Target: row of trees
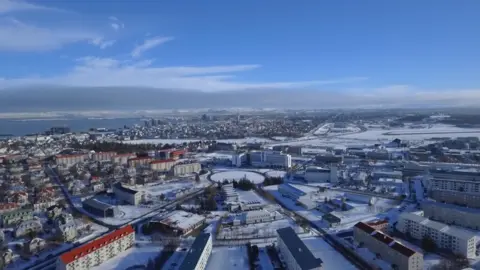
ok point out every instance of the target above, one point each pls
(269, 181)
(253, 253)
(243, 184)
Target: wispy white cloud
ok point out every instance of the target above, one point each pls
(101, 43)
(110, 72)
(7, 6)
(115, 23)
(19, 36)
(149, 44)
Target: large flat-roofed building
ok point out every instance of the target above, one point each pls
(188, 168)
(457, 187)
(178, 222)
(467, 199)
(198, 254)
(317, 174)
(97, 251)
(295, 253)
(459, 241)
(70, 160)
(270, 159)
(98, 208)
(389, 249)
(290, 191)
(127, 195)
(452, 214)
(103, 156)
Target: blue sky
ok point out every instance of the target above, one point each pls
(395, 47)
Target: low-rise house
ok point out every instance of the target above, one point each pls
(178, 222)
(8, 207)
(27, 226)
(19, 197)
(16, 216)
(98, 187)
(34, 246)
(67, 232)
(54, 211)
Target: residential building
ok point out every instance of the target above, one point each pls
(198, 254)
(67, 231)
(54, 211)
(97, 251)
(2, 237)
(16, 216)
(452, 214)
(162, 165)
(7, 256)
(389, 250)
(188, 168)
(251, 205)
(178, 222)
(127, 195)
(294, 252)
(70, 160)
(257, 216)
(34, 246)
(139, 161)
(379, 225)
(27, 226)
(466, 199)
(459, 241)
(98, 208)
(178, 154)
(8, 207)
(103, 156)
(122, 159)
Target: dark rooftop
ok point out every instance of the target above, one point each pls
(331, 218)
(94, 203)
(124, 189)
(298, 249)
(402, 249)
(382, 237)
(364, 227)
(196, 250)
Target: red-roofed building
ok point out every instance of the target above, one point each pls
(139, 161)
(7, 207)
(177, 154)
(162, 165)
(103, 156)
(122, 159)
(379, 225)
(97, 251)
(70, 159)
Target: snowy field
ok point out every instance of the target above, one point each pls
(231, 258)
(130, 257)
(330, 257)
(180, 141)
(274, 173)
(237, 175)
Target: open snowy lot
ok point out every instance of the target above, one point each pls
(231, 258)
(274, 173)
(330, 257)
(237, 175)
(130, 257)
(258, 230)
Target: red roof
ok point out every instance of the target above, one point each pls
(178, 152)
(162, 161)
(70, 156)
(378, 222)
(88, 248)
(4, 206)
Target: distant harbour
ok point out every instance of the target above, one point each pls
(17, 127)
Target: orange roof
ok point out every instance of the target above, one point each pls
(88, 248)
(162, 161)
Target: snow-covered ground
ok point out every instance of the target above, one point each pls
(258, 230)
(231, 258)
(237, 175)
(130, 257)
(330, 257)
(274, 173)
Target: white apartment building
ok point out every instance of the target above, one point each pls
(389, 249)
(103, 156)
(127, 195)
(250, 217)
(189, 168)
(97, 251)
(457, 240)
(452, 214)
(122, 159)
(197, 256)
(162, 165)
(67, 231)
(294, 252)
(70, 160)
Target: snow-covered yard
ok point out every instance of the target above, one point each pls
(237, 175)
(231, 258)
(258, 230)
(274, 173)
(130, 257)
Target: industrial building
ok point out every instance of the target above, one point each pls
(178, 222)
(295, 253)
(390, 250)
(269, 159)
(97, 251)
(98, 208)
(198, 254)
(289, 191)
(257, 216)
(321, 175)
(452, 214)
(127, 195)
(459, 241)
